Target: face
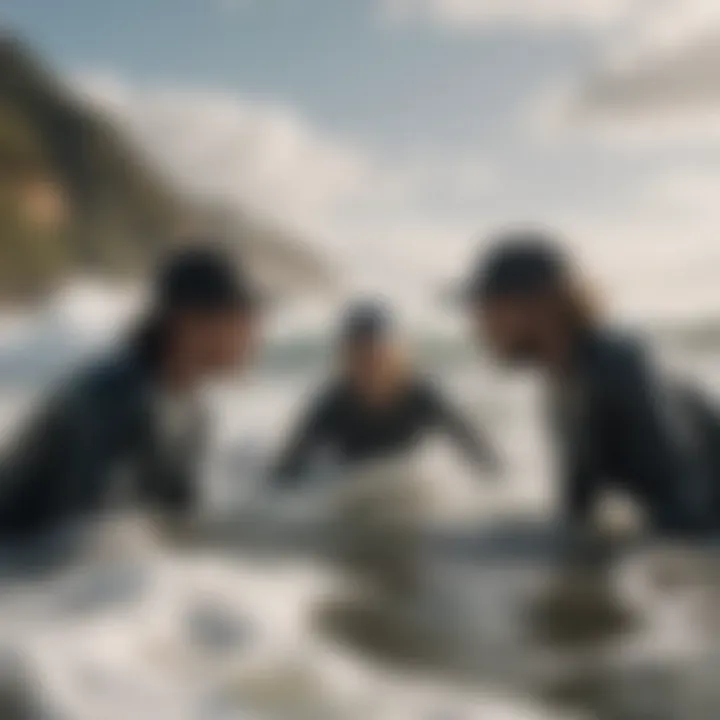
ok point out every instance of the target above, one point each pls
(219, 343)
(370, 366)
(516, 329)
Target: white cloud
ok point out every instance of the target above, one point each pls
(403, 225)
(653, 264)
(223, 146)
(579, 111)
(468, 14)
(655, 83)
(362, 207)
(677, 78)
(692, 192)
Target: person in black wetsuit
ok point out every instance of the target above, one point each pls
(619, 423)
(131, 422)
(377, 408)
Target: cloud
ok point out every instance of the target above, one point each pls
(572, 111)
(402, 225)
(692, 193)
(651, 264)
(670, 93)
(221, 145)
(656, 83)
(539, 14)
(360, 206)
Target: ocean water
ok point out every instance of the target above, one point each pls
(256, 615)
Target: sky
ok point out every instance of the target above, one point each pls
(394, 135)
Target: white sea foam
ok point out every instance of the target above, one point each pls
(144, 631)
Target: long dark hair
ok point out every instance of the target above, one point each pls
(582, 304)
(149, 340)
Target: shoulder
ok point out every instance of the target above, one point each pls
(618, 361)
(117, 369)
(329, 398)
(93, 395)
(113, 379)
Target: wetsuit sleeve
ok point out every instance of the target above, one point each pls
(172, 484)
(55, 470)
(578, 472)
(580, 489)
(308, 436)
(476, 447)
(659, 457)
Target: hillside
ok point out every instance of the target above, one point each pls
(76, 196)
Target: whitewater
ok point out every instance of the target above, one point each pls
(232, 622)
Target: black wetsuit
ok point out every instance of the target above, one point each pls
(621, 425)
(353, 431)
(101, 421)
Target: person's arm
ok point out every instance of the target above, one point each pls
(170, 482)
(475, 446)
(660, 457)
(580, 490)
(578, 473)
(305, 439)
(56, 471)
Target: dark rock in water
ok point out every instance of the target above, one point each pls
(580, 690)
(652, 691)
(216, 629)
(579, 611)
(395, 569)
(379, 632)
(380, 541)
(21, 696)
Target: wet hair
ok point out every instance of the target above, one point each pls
(149, 340)
(204, 276)
(525, 262)
(583, 304)
(518, 263)
(201, 276)
(365, 321)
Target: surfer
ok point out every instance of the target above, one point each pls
(377, 407)
(133, 418)
(619, 424)
(372, 414)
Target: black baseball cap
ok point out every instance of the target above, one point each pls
(517, 263)
(365, 321)
(204, 276)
